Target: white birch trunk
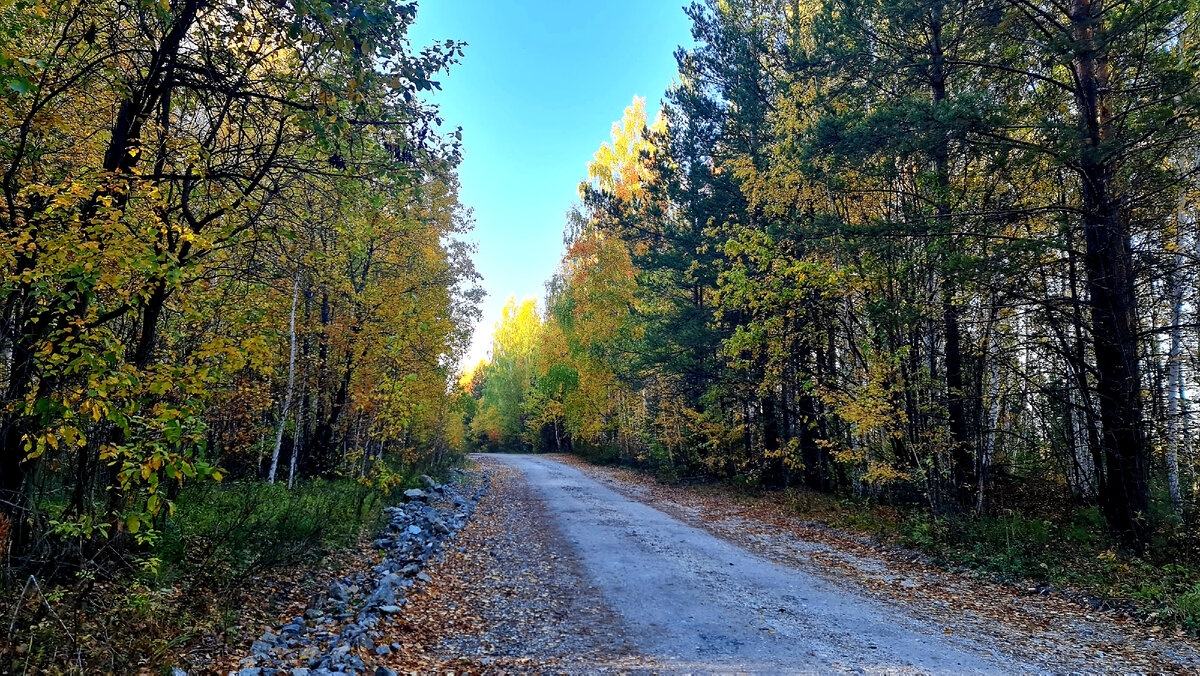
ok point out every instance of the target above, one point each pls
(287, 400)
(1174, 379)
(1081, 447)
(296, 444)
(995, 394)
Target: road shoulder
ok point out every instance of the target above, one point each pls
(509, 597)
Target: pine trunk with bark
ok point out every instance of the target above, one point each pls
(1109, 265)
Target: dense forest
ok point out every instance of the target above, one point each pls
(936, 256)
(928, 253)
(230, 251)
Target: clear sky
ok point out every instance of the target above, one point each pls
(537, 93)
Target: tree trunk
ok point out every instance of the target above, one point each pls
(960, 452)
(297, 439)
(1174, 381)
(1077, 364)
(1110, 279)
(775, 470)
(287, 399)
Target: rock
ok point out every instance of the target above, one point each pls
(382, 596)
(178, 672)
(337, 591)
(325, 637)
(292, 629)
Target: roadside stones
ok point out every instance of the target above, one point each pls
(383, 595)
(337, 591)
(293, 628)
(344, 615)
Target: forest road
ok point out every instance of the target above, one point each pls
(695, 603)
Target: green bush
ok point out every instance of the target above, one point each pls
(921, 532)
(662, 464)
(1189, 607)
(603, 454)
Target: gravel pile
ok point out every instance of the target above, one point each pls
(340, 625)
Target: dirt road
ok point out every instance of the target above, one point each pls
(694, 602)
(569, 568)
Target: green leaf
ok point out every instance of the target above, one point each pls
(20, 85)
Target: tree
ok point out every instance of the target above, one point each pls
(170, 171)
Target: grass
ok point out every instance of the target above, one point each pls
(1069, 553)
(226, 533)
(1072, 553)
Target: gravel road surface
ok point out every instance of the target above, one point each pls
(692, 602)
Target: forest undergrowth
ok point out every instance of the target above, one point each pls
(204, 582)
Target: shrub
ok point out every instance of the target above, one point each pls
(1189, 607)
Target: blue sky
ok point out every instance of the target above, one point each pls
(537, 93)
